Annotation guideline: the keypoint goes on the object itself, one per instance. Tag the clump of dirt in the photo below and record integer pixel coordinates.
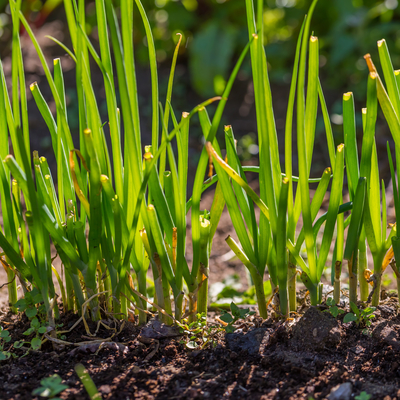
(316, 330)
(266, 360)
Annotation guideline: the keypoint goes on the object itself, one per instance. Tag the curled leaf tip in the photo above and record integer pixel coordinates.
(369, 62)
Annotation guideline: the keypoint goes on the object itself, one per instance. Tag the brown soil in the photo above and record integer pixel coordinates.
(309, 357)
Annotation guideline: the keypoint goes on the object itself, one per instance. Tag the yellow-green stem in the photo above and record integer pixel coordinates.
(362, 266)
(292, 286)
(377, 289)
(12, 290)
(353, 277)
(143, 290)
(336, 284)
(70, 306)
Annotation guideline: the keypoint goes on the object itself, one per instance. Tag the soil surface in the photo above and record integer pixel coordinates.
(313, 356)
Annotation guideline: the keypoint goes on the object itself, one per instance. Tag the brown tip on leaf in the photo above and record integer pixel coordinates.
(373, 75)
(369, 62)
(227, 127)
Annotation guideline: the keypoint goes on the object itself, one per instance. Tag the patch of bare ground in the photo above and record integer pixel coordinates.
(313, 356)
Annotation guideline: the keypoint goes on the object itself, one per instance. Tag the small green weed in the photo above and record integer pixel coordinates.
(4, 338)
(236, 314)
(31, 304)
(360, 317)
(39, 328)
(333, 308)
(50, 387)
(199, 333)
(363, 396)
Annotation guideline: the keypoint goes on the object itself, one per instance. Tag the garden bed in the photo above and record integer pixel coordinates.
(93, 215)
(309, 357)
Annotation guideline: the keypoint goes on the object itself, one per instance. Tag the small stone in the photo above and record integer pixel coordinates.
(341, 392)
(105, 389)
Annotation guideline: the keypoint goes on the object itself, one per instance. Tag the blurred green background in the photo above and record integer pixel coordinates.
(215, 32)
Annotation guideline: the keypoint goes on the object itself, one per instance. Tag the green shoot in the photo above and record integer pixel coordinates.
(50, 387)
